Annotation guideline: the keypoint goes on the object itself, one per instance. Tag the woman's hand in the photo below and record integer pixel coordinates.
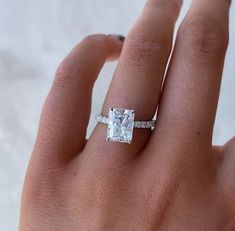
(169, 179)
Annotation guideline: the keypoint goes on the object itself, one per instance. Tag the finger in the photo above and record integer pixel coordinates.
(66, 112)
(191, 91)
(138, 78)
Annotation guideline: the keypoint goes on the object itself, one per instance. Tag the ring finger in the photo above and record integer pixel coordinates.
(138, 79)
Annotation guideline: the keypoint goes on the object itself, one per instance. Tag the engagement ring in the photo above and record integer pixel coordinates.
(121, 124)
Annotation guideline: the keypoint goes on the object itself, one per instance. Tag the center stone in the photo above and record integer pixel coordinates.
(121, 124)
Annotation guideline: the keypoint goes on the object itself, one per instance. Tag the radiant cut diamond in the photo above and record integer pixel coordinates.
(120, 125)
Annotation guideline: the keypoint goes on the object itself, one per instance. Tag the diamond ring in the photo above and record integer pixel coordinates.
(121, 124)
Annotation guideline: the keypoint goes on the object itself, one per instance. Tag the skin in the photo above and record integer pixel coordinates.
(172, 178)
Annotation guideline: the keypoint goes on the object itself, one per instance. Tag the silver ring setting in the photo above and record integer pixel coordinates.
(121, 124)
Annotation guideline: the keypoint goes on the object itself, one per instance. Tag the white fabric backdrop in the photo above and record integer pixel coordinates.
(34, 37)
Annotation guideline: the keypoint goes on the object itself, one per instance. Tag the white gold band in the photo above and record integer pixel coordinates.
(137, 124)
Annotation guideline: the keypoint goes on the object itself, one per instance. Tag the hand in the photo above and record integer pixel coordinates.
(169, 179)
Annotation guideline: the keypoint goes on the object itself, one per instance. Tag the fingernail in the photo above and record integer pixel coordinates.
(118, 37)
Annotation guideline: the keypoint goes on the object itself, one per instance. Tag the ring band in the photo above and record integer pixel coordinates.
(121, 124)
(137, 124)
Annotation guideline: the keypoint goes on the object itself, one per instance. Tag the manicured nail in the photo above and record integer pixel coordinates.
(118, 37)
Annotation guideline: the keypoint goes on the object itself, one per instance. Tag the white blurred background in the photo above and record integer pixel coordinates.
(34, 38)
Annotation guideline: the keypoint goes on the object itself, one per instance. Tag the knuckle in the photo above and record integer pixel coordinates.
(146, 48)
(72, 70)
(204, 36)
(63, 72)
(68, 76)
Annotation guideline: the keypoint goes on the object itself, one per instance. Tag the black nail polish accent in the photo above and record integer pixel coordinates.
(119, 37)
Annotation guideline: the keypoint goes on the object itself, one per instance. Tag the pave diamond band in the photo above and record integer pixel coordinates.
(137, 124)
(121, 124)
